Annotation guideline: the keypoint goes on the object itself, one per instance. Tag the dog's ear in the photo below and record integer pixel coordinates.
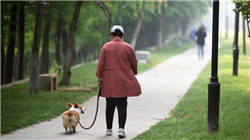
(70, 105)
(76, 105)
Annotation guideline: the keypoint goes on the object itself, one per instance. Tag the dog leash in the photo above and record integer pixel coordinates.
(97, 107)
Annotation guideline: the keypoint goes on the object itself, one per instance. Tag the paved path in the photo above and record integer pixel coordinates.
(162, 87)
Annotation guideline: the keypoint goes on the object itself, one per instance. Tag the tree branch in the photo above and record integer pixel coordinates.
(106, 11)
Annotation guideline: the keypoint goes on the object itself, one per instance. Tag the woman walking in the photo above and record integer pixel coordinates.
(201, 34)
(116, 71)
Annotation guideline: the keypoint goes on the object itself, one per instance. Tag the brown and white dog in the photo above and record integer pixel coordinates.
(70, 118)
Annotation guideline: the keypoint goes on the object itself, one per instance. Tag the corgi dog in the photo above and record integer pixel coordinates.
(70, 118)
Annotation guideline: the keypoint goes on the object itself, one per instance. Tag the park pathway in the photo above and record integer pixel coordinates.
(162, 87)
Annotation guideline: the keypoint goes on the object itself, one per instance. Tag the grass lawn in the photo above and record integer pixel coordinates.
(21, 109)
(188, 119)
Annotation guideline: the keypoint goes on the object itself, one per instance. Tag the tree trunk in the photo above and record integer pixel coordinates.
(235, 44)
(66, 67)
(226, 21)
(15, 64)
(73, 57)
(2, 54)
(226, 33)
(33, 82)
(161, 28)
(44, 65)
(11, 44)
(106, 11)
(2, 62)
(64, 37)
(119, 17)
(138, 24)
(58, 39)
(21, 41)
(119, 13)
(244, 35)
(65, 41)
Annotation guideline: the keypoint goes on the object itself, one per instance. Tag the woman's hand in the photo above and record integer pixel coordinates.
(99, 83)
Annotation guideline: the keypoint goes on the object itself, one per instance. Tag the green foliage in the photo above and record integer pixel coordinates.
(56, 68)
(244, 9)
(92, 27)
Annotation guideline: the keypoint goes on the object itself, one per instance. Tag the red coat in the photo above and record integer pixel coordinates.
(117, 67)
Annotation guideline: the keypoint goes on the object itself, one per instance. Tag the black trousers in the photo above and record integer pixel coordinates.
(111, 104)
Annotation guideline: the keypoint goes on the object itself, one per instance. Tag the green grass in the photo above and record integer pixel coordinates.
(21, 109)
(188, 120)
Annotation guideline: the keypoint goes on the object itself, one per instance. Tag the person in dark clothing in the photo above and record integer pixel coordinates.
(121, 104)
(201, 34)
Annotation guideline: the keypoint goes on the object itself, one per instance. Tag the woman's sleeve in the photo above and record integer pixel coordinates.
(133, 61)
(101, 62)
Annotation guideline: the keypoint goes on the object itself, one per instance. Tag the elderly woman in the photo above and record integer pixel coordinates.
(116, 71)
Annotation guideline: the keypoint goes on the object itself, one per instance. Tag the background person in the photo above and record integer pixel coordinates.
(116, 71)
(201, 34)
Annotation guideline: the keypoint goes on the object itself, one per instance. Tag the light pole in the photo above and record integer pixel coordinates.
(214, 85)
(235, 44)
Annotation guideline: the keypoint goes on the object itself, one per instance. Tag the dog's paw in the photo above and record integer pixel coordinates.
(70, 132)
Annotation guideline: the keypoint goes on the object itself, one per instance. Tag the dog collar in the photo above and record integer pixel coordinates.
(75, 109)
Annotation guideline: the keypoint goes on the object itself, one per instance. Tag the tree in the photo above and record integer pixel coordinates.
(226, 21)
(235, 43)
(92, 27)
(244, 36)
(4, 28)
(119, 13)
(244, 9)
(33, 82)
(66, 67)
(11, 44)
(64, 37)
(44, 65)
(2, 64)
(21, 41)
(138, 24)
(106, 11)
(58, 39)
(161, 29)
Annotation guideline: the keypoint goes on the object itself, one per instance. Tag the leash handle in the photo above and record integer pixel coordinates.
(97, 108)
